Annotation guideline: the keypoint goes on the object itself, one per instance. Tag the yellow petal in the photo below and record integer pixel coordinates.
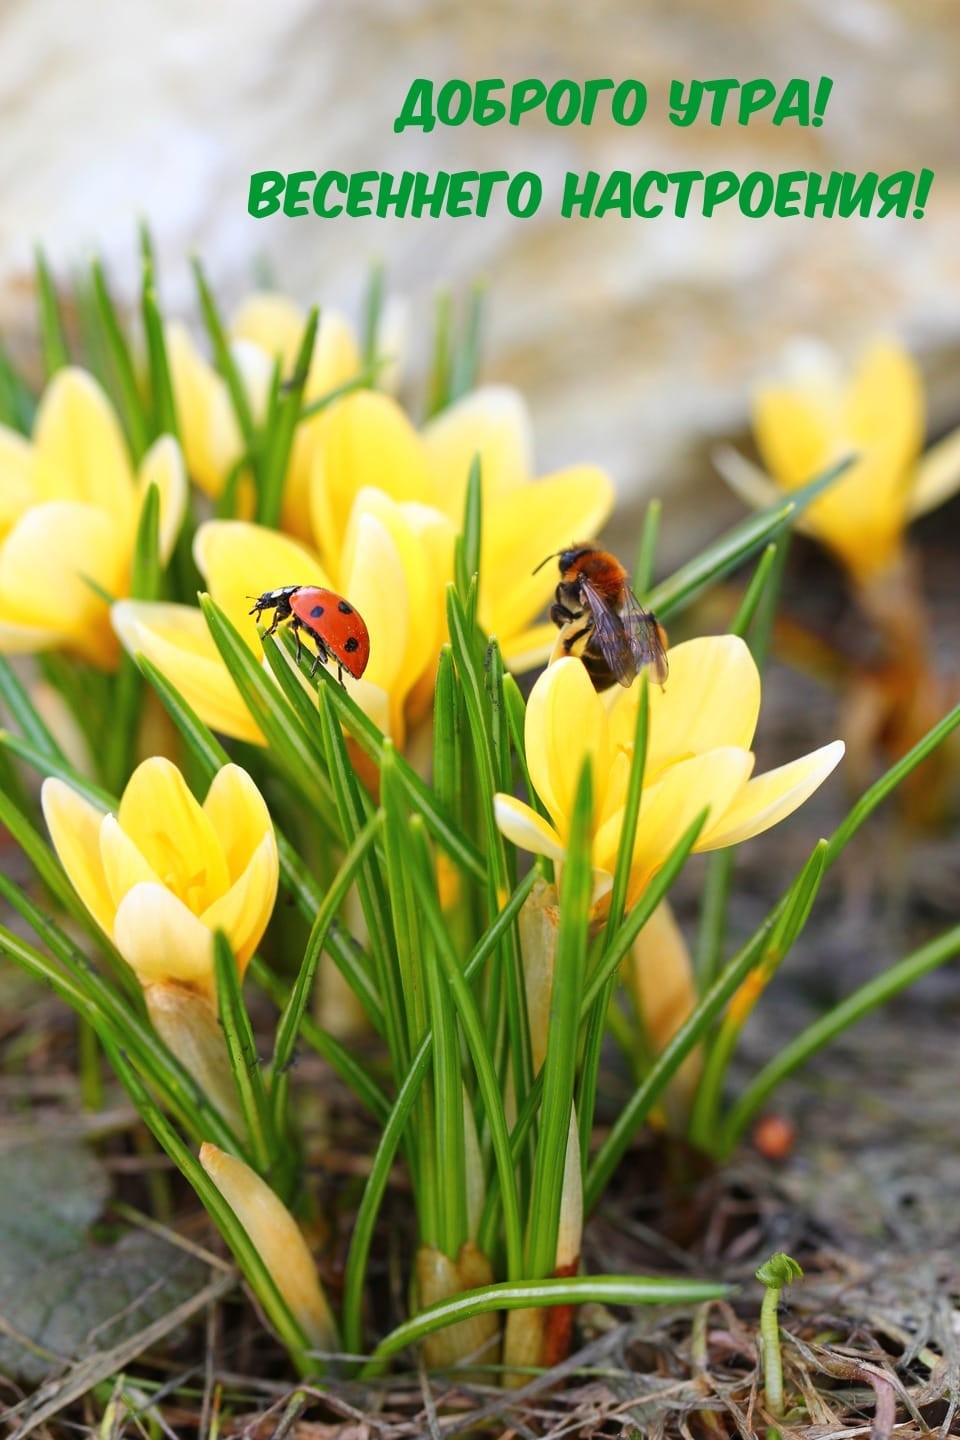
(526, 829)
(529, 649)
(188, 1024)
(711, 699)
(522, 527)
(492, 422)
(79, 447)
(420, 552)
(16, 477)
(123, 865)
(279, 1241)
(244, 911)
(239, 561)
(173, 834)
(197, 388)
(74, 826)
(45, 563)
(176, 639)
(798, 434)
(770, 798)
(239, 816)
(937, 476)
(375, 581)
(163, 466)
(885, 403)
(565, 722)
(710, 781)
(363, 440)
(162, 941)
(273, 322)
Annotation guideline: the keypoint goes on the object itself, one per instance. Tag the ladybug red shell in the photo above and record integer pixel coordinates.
(334, 626)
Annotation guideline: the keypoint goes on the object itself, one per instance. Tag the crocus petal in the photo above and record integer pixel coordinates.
(492, 422)
(769, 798)
(711, 781)
(173, 833)
(886, 402)
(528, 649)
(46, 561)
(240, 561)
(196, 389)
(526, 829)
(79, 446)
(176, 639)
(74, 826)
(163, 466)
(244, 911)
(123, 864)
(376, 582)
(522, 527)
(711, 699)
(16, 477)
(273, 322)
(239, 816)
(937, 475)
(363, 440)
(163, 941)
(278, 1240)
(565, 722)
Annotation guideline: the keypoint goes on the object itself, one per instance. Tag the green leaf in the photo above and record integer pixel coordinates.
(441, 355)
(470, 540)
(292, 1019)
(672, 596)
(52, 337)
(225, 362)
(288, 744)
(120, 361)
(24, 713)
(243, 1057)
(646, 561)
(538, 1294)
(868, 997)
(278, 435)
(466, 361)
(161, 382)
(778, 1271)
(17, 405)
(372, 313)
(560, 1064)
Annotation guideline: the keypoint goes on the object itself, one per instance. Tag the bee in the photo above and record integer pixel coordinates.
(602, 622)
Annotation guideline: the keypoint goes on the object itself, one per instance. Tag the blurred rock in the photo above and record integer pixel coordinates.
(635, 341)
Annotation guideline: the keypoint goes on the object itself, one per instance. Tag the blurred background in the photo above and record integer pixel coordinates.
(636, 342)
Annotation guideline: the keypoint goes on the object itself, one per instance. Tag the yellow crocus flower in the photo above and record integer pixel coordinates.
(160, 878)
(267, 327)
(367, 440)
(818, 415)
(701, 728)
(70, 501)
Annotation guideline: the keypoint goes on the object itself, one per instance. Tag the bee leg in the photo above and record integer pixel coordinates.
(561, 614)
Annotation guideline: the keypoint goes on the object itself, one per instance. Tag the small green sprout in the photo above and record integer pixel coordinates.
(776, 1272)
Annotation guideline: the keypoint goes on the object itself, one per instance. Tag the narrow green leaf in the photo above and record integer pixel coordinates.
(646, 562)
(675, 594)
(242, 1053)
(17, 405)
(372, 312)
(225, 362)
(438, 380)
(52, 337)
(244, 1251)
(539, 1294)
(468, 549)
(867, 998)
(466, 360)
(278, 436)
(288, 745)
(120, 364)
(291, 1021)
(161, 382)
(560, 1064)
(395, 1126)
(363, 380)
(24, 713)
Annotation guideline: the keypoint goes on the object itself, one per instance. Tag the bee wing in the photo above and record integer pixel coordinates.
(644, 637)
(613, 635)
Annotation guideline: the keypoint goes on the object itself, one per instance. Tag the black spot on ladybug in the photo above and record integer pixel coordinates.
(317, 611)
(345, 609)
(352, 644)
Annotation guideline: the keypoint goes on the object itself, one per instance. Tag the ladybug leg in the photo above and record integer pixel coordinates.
(340, 673)
(320, 658)
(295, 625)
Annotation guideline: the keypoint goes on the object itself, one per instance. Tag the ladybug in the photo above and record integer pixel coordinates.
(332, 623)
